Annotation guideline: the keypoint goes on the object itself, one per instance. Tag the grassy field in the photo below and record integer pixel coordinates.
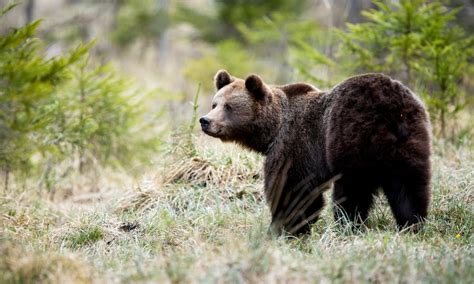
(203, 218)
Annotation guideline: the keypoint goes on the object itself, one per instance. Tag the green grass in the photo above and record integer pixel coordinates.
(87, 235)
(203, 219)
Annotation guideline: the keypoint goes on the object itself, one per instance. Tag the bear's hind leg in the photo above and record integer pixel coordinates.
(353, 196)
(408, 195)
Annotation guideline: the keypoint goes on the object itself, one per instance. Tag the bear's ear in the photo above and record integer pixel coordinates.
(256, 87)
(222, 79)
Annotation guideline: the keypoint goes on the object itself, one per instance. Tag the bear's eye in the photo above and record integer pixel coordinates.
(227, 107)
(214, 105)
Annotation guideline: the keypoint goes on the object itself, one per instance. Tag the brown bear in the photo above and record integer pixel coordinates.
(368, 132)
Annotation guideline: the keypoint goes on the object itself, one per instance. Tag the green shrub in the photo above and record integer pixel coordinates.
(28, 87)
(53, 108)
(419, 43)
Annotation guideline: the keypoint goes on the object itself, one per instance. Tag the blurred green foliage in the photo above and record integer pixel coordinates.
(250, 37)
(140, 20)
(229, 54)
(291, 45)
(222, 25)
(56, 108)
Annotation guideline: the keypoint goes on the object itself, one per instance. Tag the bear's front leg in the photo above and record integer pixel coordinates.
(297, 214)
(295, 200)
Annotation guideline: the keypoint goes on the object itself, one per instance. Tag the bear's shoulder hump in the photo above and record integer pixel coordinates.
(298, 89)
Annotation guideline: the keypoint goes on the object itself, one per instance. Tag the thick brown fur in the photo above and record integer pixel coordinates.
(366, 133)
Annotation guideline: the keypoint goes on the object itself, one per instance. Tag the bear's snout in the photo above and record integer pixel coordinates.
(205, 122)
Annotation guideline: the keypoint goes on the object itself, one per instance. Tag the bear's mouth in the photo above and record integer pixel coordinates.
(212, 133)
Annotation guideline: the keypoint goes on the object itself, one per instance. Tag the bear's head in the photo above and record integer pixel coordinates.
(243, 111)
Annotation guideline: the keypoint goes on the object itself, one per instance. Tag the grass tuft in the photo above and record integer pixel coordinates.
(87, 235)
(19, 265)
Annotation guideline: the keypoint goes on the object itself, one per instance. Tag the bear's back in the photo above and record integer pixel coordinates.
(375, 93)
(371, 112)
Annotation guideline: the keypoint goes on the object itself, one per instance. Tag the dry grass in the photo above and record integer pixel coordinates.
(203, 219)
(19, 265)
(199, 171)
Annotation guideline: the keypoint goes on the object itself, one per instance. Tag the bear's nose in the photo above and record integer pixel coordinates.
(204, 122)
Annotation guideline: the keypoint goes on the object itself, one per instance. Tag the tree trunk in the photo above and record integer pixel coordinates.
(329, 47)
(81, 118)
(29, 9)
(443, 124)
(47, 179)
(406, 46)
(7, 177)
(81, 162)
(115, 12)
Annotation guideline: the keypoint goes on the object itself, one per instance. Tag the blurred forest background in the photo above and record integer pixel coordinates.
(87, 84)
